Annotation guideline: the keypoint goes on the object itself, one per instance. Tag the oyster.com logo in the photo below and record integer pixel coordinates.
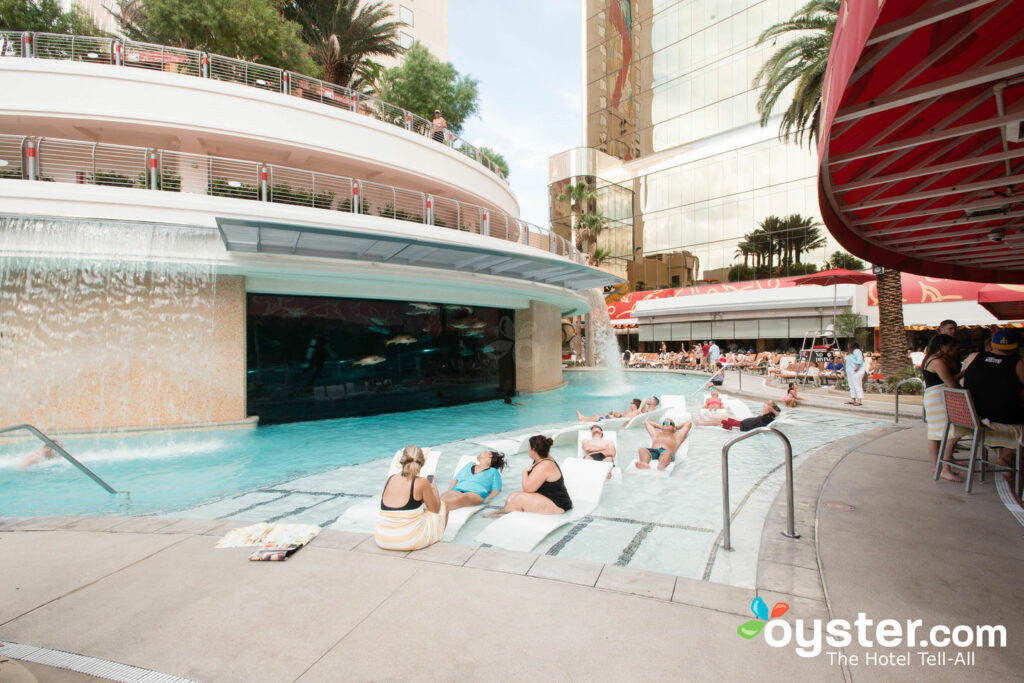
(759, 607)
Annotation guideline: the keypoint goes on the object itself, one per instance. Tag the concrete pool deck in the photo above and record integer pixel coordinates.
(877, 536)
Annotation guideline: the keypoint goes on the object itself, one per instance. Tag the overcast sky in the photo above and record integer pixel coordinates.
(526, 56)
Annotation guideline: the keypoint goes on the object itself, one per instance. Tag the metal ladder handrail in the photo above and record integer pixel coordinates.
(726, 522)
(56, 447)
(896, 418)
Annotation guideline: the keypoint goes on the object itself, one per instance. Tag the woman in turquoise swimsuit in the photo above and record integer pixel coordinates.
(476, 483)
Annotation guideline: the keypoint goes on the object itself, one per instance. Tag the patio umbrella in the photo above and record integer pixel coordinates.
(834, 277)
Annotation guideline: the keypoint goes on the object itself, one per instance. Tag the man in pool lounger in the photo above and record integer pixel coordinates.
(665, 441)
(597, 447)
(633, 410)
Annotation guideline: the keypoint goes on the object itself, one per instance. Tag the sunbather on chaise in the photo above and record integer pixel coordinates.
(771, 411)
(597, 447)
(633, 410)
(665, 441)
(714, 401)
(476, 483)
(412, 515)
(544, 489)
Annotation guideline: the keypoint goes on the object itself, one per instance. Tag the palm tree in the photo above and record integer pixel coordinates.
(769, 240)
(600, 255)
(341, 34)
(577, 194)
(803, 234)
(801, 61)
(590, 225)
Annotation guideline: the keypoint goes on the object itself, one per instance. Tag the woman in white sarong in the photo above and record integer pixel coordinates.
(937, 369)
(412, 515)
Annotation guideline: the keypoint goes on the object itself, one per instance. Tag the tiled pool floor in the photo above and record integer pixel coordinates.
(663, 524)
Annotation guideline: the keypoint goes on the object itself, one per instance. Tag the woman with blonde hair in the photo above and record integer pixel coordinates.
(412, 515)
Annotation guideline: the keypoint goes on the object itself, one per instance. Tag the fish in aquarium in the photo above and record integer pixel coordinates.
(379, 330)
(469, 323)
(472, 334)
(370, 360)
(422, 309)
(377, 321)
(401, 339)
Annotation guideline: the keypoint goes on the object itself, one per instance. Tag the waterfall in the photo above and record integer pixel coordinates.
(105, 325)
(603, 341)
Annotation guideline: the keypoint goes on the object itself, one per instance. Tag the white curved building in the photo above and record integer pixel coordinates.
(188, 239)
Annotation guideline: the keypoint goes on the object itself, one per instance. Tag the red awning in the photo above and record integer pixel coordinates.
(1004, 302)
(922, 140)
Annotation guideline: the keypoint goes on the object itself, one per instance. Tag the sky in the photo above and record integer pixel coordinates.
(526, 56)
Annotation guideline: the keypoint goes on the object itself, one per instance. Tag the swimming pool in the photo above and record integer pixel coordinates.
(170, 472)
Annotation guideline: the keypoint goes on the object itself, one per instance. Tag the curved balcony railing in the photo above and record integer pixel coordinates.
(89, 163)
(130, 53)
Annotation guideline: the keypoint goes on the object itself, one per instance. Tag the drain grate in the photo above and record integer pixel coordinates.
(91, 666)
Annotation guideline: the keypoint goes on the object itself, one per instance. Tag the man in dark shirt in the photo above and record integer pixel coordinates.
(996, 381)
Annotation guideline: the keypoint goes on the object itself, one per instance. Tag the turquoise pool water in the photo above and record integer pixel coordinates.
(165, 473)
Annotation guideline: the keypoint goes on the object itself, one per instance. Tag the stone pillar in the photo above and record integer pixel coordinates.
(538, 347)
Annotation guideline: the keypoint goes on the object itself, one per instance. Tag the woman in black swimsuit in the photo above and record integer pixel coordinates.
(544, 489)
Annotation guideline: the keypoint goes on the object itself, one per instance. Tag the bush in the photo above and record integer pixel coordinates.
(220, 188)
(286, 194)
(113, 179)
(365, 207)
(390, 211)
(11, 172)
(909, 387)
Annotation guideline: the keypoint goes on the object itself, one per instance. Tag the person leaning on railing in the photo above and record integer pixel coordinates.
(438, 126)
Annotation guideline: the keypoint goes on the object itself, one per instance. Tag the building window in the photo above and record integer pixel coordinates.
(405, 40)
(405, 15)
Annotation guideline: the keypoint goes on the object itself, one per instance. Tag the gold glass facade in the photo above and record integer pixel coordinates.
(669, 92)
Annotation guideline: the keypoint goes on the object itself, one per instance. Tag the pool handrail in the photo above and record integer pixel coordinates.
(197, 63)
(790, 531)
(57, 447)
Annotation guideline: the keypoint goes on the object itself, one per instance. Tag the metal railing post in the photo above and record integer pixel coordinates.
(355, 197)
(264, 189)
(284, 82)
(790, 531)
(60, 451)
(896, 417)
(526, 234)
(154, 182)
(408, 121)
(430, 209)
(115, 52)
(740, 378)
(31, 160)
(485, 223)
(26, 44)
(204, 65)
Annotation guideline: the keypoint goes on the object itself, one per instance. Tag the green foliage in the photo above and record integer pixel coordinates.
(909, 387)
(342, 35)
(365, 207)
(115, 179)
(777, 245)
(600, 255)
(840, 259)
(800, 62)
(253, 30)
(497, 158)
(423, 83)
(389, 211)
(46, 16)
(220, 188)
(286, 194)
(847, 323)
(169, 181)
(10, 172)
(741, 272)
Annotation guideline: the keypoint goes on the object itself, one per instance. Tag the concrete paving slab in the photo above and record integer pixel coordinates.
(565, 569)
(714, 596)
(40, 523)
(143, 525)
(786, 578)
(446, 553)
(36, 571)
(547, 630)
(369, 546)
(213, 615)
(500, 560)
(225, 526)
(93, 523)
(339, 540)
(192, 527)
(637, 582)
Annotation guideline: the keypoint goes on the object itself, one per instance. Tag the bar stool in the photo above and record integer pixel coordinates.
(960, 412)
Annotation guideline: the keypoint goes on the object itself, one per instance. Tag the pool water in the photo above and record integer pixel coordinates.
(167, 472)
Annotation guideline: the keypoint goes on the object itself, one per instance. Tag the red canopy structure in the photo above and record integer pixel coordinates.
(921, 144)
(1004, 302)
(833, 278)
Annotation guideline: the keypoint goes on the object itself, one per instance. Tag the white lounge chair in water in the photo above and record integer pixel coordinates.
(681, 452)
(510, 445)
(521, 531)
(653, 415)
(584, 434)
(673, 401)
(365, 512)
(458, 518)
